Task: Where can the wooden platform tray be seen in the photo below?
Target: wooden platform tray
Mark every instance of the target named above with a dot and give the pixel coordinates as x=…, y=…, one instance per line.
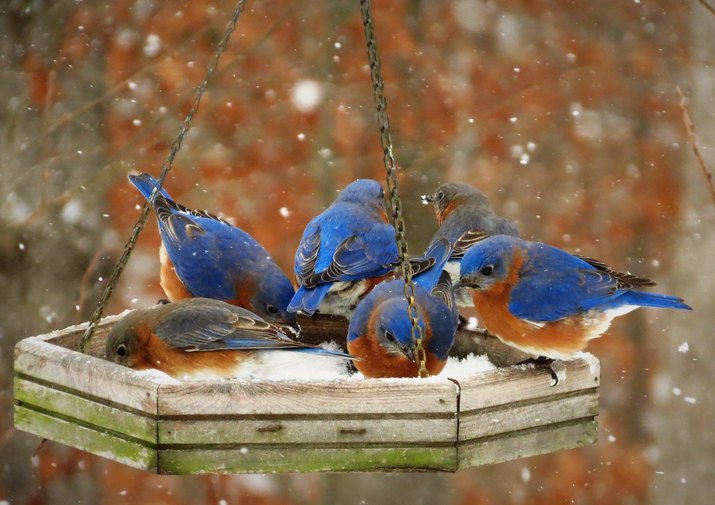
x=435, y=424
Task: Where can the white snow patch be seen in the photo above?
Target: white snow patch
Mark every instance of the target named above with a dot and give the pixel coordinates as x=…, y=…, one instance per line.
x=525, y=474
x=152, y=45
x=472, y=324
x=157, y=376
x=684, y=347
x=594, y=366
x=470, y=365
x=306, y=95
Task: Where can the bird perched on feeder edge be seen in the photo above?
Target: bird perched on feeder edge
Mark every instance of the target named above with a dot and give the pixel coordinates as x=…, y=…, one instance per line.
x=380, y=330
x=461, y=208
x=204, y=256
x=547, y=302
x=344, y=252
x=200, y=338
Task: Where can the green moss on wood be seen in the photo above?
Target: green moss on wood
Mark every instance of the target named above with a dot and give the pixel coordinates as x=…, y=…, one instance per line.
x=101, y=444
x=87, y=411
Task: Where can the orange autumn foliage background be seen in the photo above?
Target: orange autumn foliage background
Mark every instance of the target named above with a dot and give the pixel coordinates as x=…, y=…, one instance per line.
x=564, y=113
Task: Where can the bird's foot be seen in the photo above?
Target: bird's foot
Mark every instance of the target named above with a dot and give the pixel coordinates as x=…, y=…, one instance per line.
x=162, y=301
x=545, y=362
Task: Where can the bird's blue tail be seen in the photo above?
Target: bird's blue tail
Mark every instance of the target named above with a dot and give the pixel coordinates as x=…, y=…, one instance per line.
x=644, y=299
x=322, y=352
x=145, y=183
x=307, y=300
x=439, y=251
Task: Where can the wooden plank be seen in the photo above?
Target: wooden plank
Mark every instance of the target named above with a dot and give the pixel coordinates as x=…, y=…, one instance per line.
x=85, y=410
x=339, y=396
x=411, y=429
x=516, y=384
x=86, y=374
x=523, y=415
x=251, y=459
x=527, y=443
x=102, y=444
x=71, y=336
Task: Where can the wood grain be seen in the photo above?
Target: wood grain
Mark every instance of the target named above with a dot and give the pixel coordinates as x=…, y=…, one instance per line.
x=86, y=374
x=309, y=430
x=339, y=396
x=102, y=444
x=509, y=385
x=305, y=459
x=526, y=443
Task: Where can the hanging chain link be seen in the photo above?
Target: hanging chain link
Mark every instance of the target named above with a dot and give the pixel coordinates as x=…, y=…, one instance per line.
x=383, y=121
x=175, y=146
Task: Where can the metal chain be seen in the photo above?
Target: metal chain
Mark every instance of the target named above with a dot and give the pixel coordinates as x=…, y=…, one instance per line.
x=383, y=121
x=175, y=146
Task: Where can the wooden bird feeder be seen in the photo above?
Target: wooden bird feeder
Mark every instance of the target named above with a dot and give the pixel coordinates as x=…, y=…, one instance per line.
x=266, y=426
x=274, y=426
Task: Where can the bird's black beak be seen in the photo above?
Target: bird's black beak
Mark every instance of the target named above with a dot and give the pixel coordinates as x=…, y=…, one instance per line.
x=464, y=284
x=409, y=351
x=427, y=199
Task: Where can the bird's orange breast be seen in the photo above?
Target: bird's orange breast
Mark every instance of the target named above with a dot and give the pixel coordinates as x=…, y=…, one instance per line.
x=377, y=363
x=179, y=364
x=170, y=282
x=557, y=339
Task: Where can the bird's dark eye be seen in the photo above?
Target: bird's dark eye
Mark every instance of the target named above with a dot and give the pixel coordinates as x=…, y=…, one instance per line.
x=271, y=309
x=440, y=195
x=121, y=350
x=487, y=270
x=389, y=336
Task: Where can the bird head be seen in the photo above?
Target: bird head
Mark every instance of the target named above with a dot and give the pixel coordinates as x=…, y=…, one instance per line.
x=455, y=193
x=365, y=192
x=123, y=343
x=272, y=297
x=393, y=329
x=488, y=262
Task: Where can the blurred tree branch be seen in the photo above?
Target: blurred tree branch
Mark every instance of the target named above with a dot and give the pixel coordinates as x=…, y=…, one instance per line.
x=690, y=126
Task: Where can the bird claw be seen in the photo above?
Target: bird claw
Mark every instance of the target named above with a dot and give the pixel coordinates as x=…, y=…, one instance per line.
x=162, y=301
x=544, y=362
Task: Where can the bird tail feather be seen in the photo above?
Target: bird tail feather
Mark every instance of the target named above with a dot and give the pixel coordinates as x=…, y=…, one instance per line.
x=307, y=300
x=145, y=183
x=644, y=299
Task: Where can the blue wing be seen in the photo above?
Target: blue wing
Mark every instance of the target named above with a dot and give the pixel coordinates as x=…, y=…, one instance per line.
x=554, y=284
x=345, y=244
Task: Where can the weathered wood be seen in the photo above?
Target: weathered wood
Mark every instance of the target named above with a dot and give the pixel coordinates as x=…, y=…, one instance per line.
x=102, y=444
x=516, y=384
x=86, y=374
x=527, y=414
x=309, y=430
x=70, y=337
x=344, y=424
x=278, y=459
x=529, y=442
x=85, y=410
x=339, y=396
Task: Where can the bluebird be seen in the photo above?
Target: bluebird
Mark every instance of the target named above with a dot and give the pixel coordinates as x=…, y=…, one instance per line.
x=201, y=338
x=204, y=256
x=460, y=208
x=547, y=302
x=345, y=251
x=380, y=330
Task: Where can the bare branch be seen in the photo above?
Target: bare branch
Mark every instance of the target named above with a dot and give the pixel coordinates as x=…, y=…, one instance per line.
x=690, y=126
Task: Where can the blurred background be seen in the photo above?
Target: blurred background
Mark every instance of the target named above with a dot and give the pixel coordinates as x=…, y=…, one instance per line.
x=565, y=113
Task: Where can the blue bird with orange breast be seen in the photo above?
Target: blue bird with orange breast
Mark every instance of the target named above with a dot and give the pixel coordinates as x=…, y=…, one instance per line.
x=380, y=330
x=344, y=252
x=547, y=302
x=204, y=256
x=460, y=208
x=200, y=338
